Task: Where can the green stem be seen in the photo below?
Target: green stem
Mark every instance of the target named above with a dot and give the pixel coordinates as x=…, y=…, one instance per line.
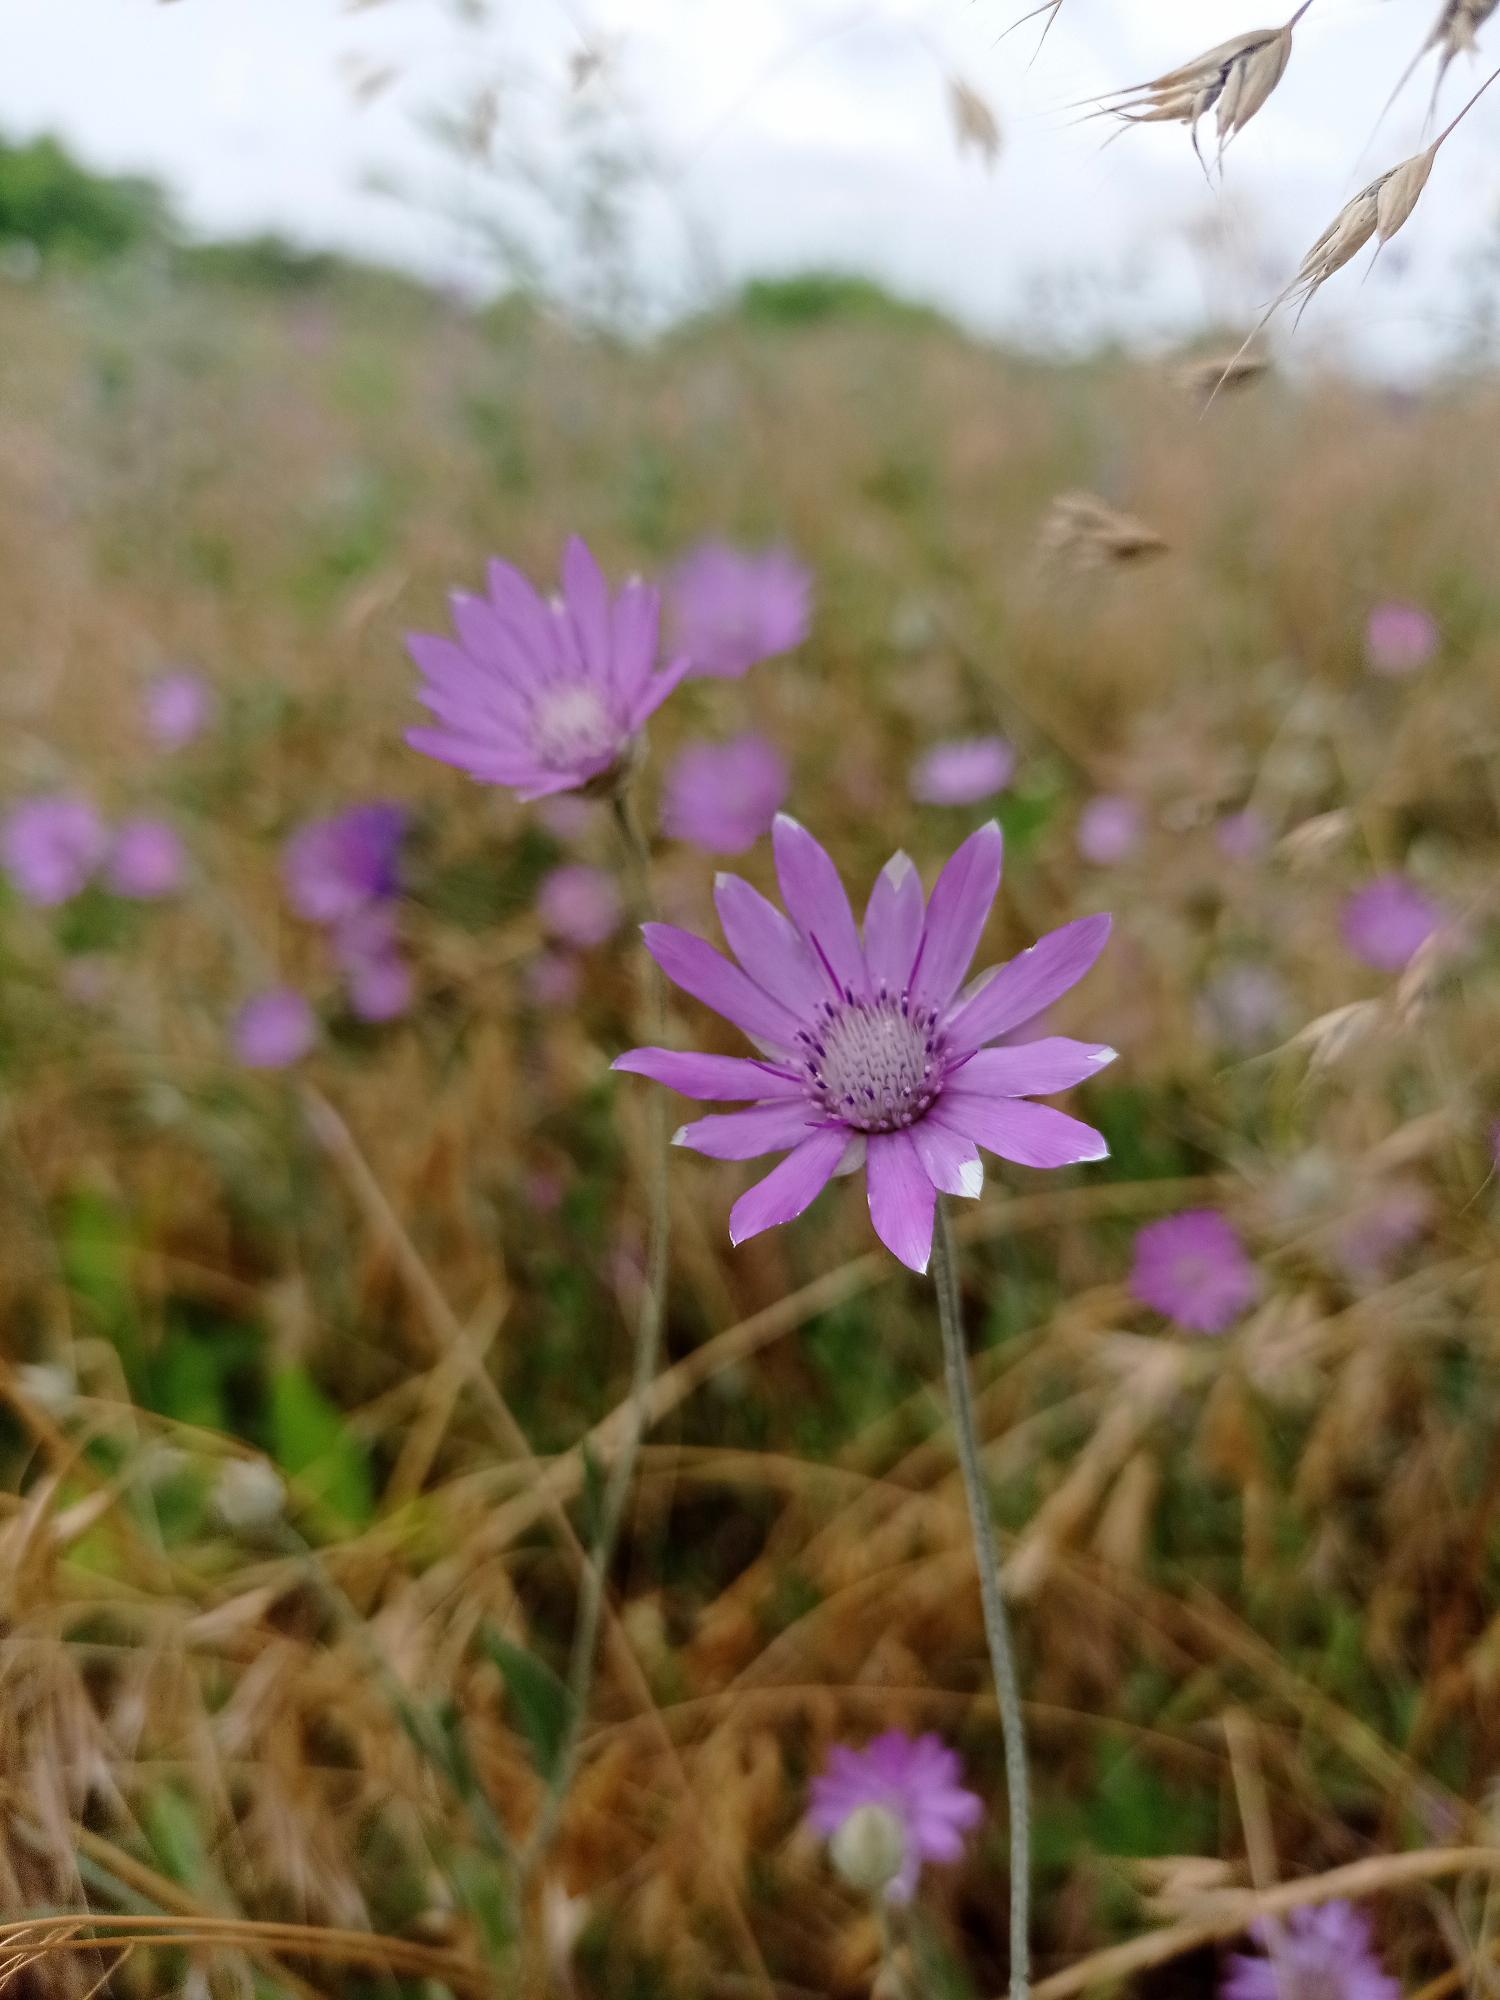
x=583, y=1662
x=996, y=1623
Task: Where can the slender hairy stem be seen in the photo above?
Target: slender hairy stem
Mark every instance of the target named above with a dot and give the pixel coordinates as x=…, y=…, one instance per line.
x=648, y=1331
x=996, y=1623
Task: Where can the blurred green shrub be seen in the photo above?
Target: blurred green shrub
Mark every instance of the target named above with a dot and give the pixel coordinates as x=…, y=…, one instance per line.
x=54, y=204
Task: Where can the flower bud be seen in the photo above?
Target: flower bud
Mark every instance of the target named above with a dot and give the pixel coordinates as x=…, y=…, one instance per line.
x=869, y=1849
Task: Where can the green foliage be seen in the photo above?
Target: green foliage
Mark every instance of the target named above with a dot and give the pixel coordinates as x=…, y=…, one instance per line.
x=814, y=298
x=49, y=200
x=540, y=1702
x=312, y=1441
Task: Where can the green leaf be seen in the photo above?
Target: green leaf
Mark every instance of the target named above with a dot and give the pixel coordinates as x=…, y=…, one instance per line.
x=542, y=1703
x=312, y=1441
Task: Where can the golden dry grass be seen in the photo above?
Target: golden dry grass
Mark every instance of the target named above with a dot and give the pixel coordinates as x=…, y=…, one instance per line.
x=1255, y=1577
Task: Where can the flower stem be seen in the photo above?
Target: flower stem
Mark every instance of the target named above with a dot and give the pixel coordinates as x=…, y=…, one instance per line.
x=650, y=1315
x=996, y=1623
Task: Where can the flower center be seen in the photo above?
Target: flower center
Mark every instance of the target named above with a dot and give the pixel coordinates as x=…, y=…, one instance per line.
x=876, y=1064
x=571, y=726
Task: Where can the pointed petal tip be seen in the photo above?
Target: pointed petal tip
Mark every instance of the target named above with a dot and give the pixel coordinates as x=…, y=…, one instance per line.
x=971, y=1179
x=1103, y=1057
x=679, y=1137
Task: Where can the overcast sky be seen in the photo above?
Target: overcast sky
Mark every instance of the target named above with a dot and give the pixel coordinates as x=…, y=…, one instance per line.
x=791, y=132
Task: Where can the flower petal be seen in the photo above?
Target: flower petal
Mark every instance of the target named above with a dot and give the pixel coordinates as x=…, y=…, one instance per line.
x=893, y=924
x=711, y=1079
x=956, y=916
x=1020, y=990
x=746, y=1135
x=1033, y=1135
x=635, y=636
x=815, y=899
x=694, y=965
x=950, y=1160
x=790, y=1187
x=769, y=946
x=903, y=1201
x=521, y=610
x=1032, y=1069
x=586, y=594
x=653, y=692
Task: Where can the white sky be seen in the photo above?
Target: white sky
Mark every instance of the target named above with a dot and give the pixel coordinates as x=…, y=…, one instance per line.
x=803, y=131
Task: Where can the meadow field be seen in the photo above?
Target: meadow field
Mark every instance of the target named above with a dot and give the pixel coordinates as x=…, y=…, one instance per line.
x=317, y=1350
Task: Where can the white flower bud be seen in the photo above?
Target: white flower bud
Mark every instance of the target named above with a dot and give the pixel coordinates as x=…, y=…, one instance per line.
x=250, y=1494
x=869, y=1849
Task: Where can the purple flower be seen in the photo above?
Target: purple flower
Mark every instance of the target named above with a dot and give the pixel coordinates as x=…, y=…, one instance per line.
x=1388, y=921
x=963, y=772
x=722, y=797
x=579, y=905
x=1399, y=638
x=544, y=697
x=1371, y=1240
x=915, y=1781
x=1245, y=1006
x=1322, y=1953
x=1109, y=829
x=147, y=860
x=377, y=979
x=730, y=609
x=178, y=706
x=1243, y=836
x=867, y=1050
x=274, y=1029
x=1193, y=1268
x=339, y=865
x=51, y=846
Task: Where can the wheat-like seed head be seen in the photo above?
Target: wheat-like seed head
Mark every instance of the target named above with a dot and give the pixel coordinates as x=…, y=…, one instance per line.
x=1084, y=532
x=1233, y=80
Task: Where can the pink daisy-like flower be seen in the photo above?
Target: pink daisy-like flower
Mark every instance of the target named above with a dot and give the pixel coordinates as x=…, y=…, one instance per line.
x=1193, y=1269
x=722, y=797
x=177, y=707
x=540, y=696
x=963, y=772
x=868, y=1051
x=729, y=608
x=1109, y=829
x=1388, y=921
x=274, y=1029
x=1399, y=638
x=51, y=846
x=579, y=905
x=915, y=1780
x=1322, y=1953
x=147, y=861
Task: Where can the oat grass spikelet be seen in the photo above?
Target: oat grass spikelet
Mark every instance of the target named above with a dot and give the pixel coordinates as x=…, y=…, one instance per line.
x=1233, y=80
x=1083, y=532
x=1455, y=32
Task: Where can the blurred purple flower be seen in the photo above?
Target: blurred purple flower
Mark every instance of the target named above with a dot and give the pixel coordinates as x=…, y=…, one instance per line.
x=1245, y=1006
x=178, y=706
x=1373, y=1237
x=579, y=905
x=274, y=1029
x=51, y=846
x=917, y=1781
x=867, y=1051
x=339, y=865
x=1193, y=1268
x=377, y=979
x=1386, y=923
x=730, y=608
x=147, y=860
x=1243, y=836
x=1399, y=638
x=1109, y=829
x=964, y=771
x=554, y=979
x=722, y=797
x=543, y=697
x=1321, y=1953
